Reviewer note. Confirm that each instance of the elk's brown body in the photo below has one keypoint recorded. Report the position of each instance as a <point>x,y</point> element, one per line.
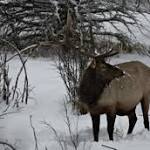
<point>121,88</point>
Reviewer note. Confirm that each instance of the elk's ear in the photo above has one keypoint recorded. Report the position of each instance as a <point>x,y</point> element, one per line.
<point>93,63</point>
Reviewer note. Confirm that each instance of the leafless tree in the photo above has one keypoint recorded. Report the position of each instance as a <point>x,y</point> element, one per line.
<point>27,21</point>
<point>92,25</point>
<point>86,22</point>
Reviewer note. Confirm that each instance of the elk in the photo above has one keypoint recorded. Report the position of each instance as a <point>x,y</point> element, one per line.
<point>114,90</point>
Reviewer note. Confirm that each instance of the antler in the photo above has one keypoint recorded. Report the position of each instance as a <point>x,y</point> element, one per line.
<point>100,56</point>
<point>107,54</point>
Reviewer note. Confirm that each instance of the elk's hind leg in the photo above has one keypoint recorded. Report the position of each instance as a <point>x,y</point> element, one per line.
<point>145,108</point>
<point>132,120</point>
<point>95,123</point>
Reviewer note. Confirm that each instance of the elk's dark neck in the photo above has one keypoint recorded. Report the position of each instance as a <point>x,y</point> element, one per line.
<point>92,86</point>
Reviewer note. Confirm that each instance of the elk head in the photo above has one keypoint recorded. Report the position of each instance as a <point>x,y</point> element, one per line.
<point>96,76</point>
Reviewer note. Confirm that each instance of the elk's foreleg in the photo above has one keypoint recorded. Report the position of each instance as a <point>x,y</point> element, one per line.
<point>110,124</point>
<point>95,123</point>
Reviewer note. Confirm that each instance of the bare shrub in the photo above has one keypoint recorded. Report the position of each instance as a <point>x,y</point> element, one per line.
<point>11,93</point>
<point>73,139</point>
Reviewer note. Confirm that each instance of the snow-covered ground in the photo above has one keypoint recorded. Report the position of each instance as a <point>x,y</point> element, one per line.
<point>47,105</point>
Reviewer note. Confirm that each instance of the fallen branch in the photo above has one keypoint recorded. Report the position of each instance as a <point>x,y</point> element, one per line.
<point>7,144</point>
<point>7,113</point>
<point>109,147</point>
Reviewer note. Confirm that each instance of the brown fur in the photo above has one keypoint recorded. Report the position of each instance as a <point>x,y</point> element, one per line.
<point>120,95</point>
<point>94,81</point>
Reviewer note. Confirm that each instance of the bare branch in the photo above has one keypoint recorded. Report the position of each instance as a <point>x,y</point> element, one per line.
<point>29,48</point>
<point>34,133</point>
<point>56,134</point>
<point>25,91</point>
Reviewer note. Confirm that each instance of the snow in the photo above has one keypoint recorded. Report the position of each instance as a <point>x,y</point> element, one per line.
<point>47,105</point>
